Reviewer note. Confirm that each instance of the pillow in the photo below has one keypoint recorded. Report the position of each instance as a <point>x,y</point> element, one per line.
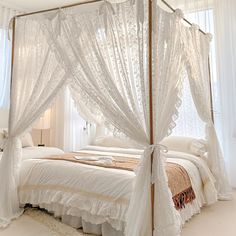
<point>111,141</point>
<point>197,147</point>
<point>40,152</point>
<point>27,140</point>
<point>3,138</point>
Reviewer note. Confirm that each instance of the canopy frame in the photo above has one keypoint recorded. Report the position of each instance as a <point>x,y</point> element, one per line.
<point>150,73</point>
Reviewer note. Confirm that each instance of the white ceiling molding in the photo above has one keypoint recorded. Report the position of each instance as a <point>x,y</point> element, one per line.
<point>12,6</point>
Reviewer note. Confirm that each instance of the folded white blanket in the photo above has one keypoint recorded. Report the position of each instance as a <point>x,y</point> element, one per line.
<point>96,159</point>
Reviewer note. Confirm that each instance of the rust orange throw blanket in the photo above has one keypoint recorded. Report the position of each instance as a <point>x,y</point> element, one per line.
<point>179,181</point>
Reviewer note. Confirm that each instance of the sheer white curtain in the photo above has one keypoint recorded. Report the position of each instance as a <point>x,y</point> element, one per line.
<point>225,24</point>
<point>218,18</point>
<point>198,74</point>
<point>69,131</point>
<point>5,55</point>
<point>33,88</point>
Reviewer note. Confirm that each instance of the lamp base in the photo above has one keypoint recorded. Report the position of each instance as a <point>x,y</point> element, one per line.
<point>41,145</point>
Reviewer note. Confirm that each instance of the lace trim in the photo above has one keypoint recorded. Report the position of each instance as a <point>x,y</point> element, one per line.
<point>75,191</point>
<point>64,203</point>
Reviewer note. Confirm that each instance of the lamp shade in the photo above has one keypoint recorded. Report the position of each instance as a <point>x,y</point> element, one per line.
<point>4,115</point>
<point>44,121</point>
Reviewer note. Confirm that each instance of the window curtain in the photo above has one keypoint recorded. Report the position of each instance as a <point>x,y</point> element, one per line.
<point>32,91</point>
<point>198,74</point>
<point>5,55</point>
<point>68,130</point>
<point>106,53</point>
<point>225,23</point>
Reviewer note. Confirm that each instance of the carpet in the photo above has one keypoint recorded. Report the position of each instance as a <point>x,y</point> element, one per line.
<point>36,222</point>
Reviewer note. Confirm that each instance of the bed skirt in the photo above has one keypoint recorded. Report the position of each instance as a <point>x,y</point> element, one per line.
<point>90,224</point>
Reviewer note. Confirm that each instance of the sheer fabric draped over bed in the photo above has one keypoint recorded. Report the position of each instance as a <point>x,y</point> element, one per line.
<point>101,54</point>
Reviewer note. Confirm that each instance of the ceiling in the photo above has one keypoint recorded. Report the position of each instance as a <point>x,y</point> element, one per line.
<point>35,5</point>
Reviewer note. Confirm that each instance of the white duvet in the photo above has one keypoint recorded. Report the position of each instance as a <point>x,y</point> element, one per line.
<point>97,194</point>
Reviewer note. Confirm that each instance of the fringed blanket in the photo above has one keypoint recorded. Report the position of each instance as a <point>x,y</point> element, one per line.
<point>179,181</point>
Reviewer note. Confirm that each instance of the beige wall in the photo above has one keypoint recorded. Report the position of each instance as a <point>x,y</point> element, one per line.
<point>36,136</point>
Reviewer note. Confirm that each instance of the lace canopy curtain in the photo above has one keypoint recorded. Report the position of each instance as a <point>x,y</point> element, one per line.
<point>110,71</point>
<point>198,74</point>
<point>37,78</point>
<point>103,55</point>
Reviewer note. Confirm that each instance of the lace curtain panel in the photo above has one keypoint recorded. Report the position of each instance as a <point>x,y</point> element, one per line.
<point>189,123</point>
<point>33,88</point>
<point>198,74</point>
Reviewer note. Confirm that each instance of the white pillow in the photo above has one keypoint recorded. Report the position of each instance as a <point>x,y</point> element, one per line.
<point>197,147</point>
<point>40,152</point>
<point>3,138</point>
<point>27,140</point>
<point>111,141</point>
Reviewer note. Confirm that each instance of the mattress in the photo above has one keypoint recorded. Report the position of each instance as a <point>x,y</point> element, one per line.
<point>94,197</point>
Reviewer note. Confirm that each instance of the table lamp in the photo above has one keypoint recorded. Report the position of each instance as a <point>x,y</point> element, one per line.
<point>43,124</point>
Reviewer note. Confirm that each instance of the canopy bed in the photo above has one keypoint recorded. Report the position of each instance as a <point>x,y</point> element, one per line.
<point>123,63</point>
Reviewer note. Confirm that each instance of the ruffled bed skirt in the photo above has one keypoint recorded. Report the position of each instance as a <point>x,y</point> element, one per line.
<point>79,215</point>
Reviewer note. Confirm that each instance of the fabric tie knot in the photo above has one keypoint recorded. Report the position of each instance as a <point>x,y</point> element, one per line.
<point>106,6</point>
<point>195,27</point>
<point>160,147</point>
<point>179,13</point>
<point>209,36</point>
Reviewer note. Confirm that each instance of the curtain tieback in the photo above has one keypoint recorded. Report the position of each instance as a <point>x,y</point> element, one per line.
<point>158,149</point>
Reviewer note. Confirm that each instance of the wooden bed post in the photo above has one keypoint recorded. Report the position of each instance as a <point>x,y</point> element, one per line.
<point>151,105</point>
<point>12,63</point>
<point>211,90</point>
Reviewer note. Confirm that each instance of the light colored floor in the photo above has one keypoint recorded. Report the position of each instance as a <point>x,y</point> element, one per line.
<point>216,220</point>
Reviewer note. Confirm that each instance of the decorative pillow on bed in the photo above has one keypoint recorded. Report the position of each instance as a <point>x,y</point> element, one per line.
<point>111,141</point>
<point>27,140</point>
<point>197,147</point>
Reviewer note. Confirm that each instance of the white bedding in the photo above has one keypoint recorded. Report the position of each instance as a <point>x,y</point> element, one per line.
<point>95,194</point>
<point>39,152</point>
